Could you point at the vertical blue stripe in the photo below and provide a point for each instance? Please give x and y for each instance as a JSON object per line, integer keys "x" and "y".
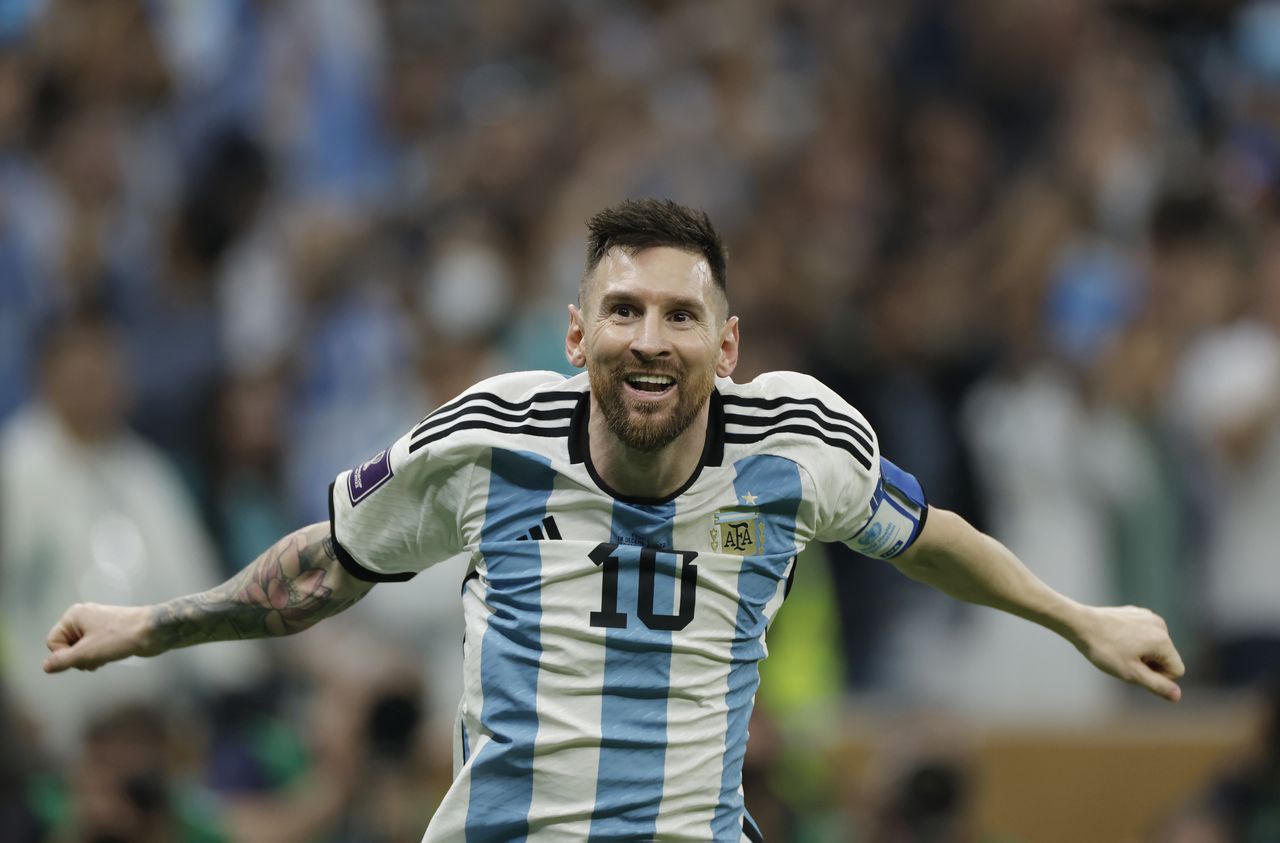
{"x": 776, "y": 484}
{"x": 502, "y": 772}
{"x": 637, "y": 681}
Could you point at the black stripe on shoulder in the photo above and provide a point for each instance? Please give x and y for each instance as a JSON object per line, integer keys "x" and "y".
{"x": 749, "y": 829}
{"x": 775, "y": 403}
{"x": 801, "y": 413}
{"x": 446, "y": 411}
{"x": 842, "y": 444}
{"x": 489, "y": 424}
{"x": 543, "y": 413}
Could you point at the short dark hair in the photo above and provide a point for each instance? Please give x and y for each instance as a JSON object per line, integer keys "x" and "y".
{"x": 636, "y": 224}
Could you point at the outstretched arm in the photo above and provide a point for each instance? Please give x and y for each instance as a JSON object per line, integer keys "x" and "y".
{"x": 295, "y": 583}
{"x": 1128, "y": 642}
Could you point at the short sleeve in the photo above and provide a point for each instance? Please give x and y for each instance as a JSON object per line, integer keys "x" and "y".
{"x": 862, "y": 499}
{"x": 397, "y": 512}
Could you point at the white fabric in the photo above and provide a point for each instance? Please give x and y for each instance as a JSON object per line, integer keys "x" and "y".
{"x": 436, "y": 500}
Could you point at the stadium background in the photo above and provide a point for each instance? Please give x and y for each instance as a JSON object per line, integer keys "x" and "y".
{"x": 245, "y": 244}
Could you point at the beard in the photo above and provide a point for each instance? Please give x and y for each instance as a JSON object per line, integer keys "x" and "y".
{"x": 644, "y": 426}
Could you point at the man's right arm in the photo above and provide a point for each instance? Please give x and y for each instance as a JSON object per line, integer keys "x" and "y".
{"x": 295, "y": 583}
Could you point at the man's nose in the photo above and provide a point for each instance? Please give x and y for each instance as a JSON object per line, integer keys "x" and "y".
{"x": 650, "y": 339}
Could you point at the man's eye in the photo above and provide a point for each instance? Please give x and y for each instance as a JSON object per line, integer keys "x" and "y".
{"x": 682, "y": 316}
{"x": 623, "y": 310}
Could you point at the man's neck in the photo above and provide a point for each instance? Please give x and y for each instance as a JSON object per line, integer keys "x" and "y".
{"x": 645, "y": 474}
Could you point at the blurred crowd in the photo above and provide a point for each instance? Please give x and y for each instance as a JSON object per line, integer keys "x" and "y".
{"x": 245, "y": 244}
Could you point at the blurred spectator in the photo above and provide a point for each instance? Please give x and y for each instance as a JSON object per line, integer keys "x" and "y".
{"x": 249, "y": 512}
{"x": 1248, "y": 800}
{"x": 1144, "y": 478}
{"x": 19, "y": 765}
{"x": 921, "y": 787}
{"x": 173, "y": 328}
{"x": 1029, "y": 429}
{"x": 352, "y": 365}
{"x": 1240, "y": 805}
{"x": 1227, "y": 394}
{"x": 88, "y": 511}
{"x": 394, "y": 801}
{"x": 1194, "y": 824}
{"x": 907, "y": 372}
{"x": 371, "y": 724}
{"x": 125, "y": 784}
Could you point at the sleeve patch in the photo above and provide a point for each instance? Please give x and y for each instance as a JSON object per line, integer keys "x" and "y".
{"x": 898, "y": 510}
{"x": 367, "y": 477}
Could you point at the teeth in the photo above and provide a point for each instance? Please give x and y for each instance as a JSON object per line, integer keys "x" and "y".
{"x": 660, "y": 379}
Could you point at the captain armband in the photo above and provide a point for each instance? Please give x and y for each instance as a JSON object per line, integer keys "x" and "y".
{"x": 898, "y": 512}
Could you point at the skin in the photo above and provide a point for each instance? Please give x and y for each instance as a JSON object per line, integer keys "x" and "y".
{"x": 1127, "y": 642}
{"x": 293, "y": 585}
{"x": 653, "y": 311}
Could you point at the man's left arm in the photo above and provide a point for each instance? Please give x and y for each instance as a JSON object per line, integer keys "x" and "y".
{"x": 1128, "y": 642}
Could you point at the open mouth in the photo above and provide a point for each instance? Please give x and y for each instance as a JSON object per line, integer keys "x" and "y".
{"x": 653, "y": 385}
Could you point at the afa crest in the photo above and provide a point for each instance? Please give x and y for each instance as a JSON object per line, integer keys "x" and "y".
{"x": 738, "y": 531}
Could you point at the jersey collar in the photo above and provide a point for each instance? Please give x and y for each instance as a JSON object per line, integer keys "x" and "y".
{"x": 712, "y": 449}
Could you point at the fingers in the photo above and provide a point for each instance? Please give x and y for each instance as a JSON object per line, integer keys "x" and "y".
{"x": 61, "y": 639}
{"x": 60, "y": 659}
{"x": 1162, "y": 666}
{"x": 82, "y": 655}
{"x": 1158, "y": 684}
{"x": 1166, "y": 663}
{"x": 70, "y": 644}
{"x": 1133, "y": 644}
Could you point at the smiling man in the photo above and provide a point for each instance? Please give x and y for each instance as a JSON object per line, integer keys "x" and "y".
{"x": 632, "y": 532}
{"x": 654, "y": 335}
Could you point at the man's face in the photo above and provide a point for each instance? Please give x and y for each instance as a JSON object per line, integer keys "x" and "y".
{"x": 653, "y": 334}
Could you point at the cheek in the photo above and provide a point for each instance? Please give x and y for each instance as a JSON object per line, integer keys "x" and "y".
{"x": 704, "y": 350}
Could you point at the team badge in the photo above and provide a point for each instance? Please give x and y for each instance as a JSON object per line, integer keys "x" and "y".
{"x": 739, "y": 530}
{"x": 365, "y": 478}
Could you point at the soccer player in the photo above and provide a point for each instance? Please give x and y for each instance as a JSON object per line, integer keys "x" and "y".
{"x": 632, "y": 531}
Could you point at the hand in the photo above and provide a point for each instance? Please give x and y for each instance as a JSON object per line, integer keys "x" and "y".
{"x": 1132, "y": 644}
{"x": 89, "y": 635}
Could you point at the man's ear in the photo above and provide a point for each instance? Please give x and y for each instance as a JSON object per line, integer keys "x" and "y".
{"x": 728, "y": 348}
{"x": 573, "y": 349}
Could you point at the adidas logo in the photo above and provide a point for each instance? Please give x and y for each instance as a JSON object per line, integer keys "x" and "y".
{"x": 537, "y": 533}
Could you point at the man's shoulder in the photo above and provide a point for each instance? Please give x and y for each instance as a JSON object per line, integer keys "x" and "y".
{"x": 795, "y": 415}
{"x": 524, "y": 409}
{"x": 780, "y": 386}
{"x": 524, "y": 386}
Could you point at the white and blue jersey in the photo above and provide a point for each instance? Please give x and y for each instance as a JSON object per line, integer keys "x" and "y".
{"x": 612, "y": 643}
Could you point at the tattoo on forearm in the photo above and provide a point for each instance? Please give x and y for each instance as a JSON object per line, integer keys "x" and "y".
{"x": 285, "y": 590}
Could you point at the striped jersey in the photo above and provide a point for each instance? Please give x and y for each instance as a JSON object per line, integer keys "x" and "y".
{"x": 612, "y": 643}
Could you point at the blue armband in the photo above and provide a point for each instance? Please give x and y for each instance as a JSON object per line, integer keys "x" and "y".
{"x": 898, "y": 513}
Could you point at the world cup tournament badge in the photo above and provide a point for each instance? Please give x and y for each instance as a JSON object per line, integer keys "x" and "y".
{"x": 739, "y": 531}
{"x": 365, "y": 478}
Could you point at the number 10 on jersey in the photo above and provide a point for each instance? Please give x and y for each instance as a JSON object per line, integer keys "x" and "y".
{"x": 612, "y": 556}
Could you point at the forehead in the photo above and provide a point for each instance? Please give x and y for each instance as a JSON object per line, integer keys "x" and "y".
{"x": 657, "y": 272}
